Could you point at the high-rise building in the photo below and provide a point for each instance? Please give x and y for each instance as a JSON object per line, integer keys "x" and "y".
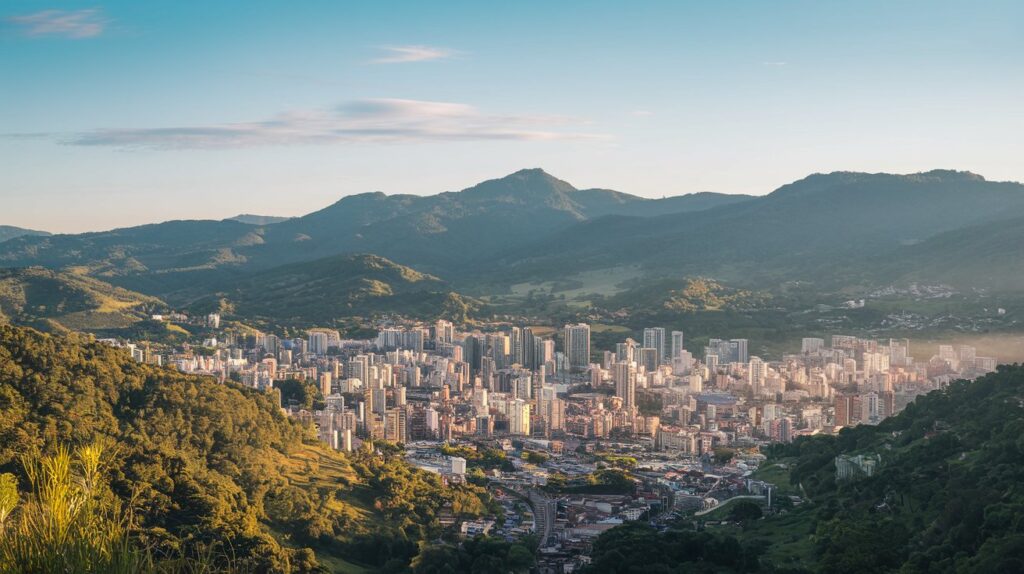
{"x": 733, "y": 351}
{"x": 626, "y": 351}
{"x": 318, "y": 343}
{"x": 577, "y": 345}
{"x": 472, "y": 352}
{"x": 757, "y": 372}
{"x": 848, "y": 410}
{"x": 899, "y": 353}
{"x": 519, "y": 417}
{"x": 516, "y": 354}
{"x": 444, "y": 332}
{"x": 677, "y": 344}
{"x": 500, "y": 347}
{"x": 649, "y": 359}
{"x": 811, "y": 345}
{"x": 654, "y": 338}
{"x": 529, "y": 349}
{"x": 742, "y": 354}
{"x": 624, "y": 376}
{"x": 395, "y": 425}
{"x": 543, "y": 352}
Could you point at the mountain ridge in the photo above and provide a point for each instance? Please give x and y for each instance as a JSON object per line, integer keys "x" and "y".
{"x": 532, "y": 226}
{"x": 10, "y": 232}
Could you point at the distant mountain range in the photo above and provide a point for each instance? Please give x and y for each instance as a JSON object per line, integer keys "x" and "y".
{"x": 829, "y": 229}
{"x": 837, "y": 226}
{"x": 258, "y": 219}
{"x": 441, "y": 234}
{"x": 10, "y": 232}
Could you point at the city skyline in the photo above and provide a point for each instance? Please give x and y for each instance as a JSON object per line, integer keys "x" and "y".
{"x": 156, "y": 113}
{"x": 526, "y": 288}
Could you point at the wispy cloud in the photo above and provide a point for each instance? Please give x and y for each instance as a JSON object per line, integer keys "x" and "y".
{"x": 374, "y": 120}
{"x": 776, "y": 64}
{"x": 406, "y": 54}
{"x": 75, "y": 24}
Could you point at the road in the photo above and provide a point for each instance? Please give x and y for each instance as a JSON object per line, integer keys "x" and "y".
{"x": 714, "y": 508}
{"x": 543, "y": 515}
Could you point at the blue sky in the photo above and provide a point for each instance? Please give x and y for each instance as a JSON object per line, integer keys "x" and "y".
{"x": 121, "y": 113}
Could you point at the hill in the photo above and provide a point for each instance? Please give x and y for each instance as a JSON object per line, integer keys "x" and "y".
{"x": 157, "y": 258}
{"x": 988, "y": 255}
{"x": 258, "y": 219}
{"x": 10, "y": 232}
{"x": 945, "y": 497}
{"x": 213, "y": 469}
{"x": 317, "y": 292}
{"x": 63, "y": 300}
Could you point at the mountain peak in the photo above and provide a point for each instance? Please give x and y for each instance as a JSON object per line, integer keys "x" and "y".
{"x": 533, "y": 176}
{"x": 252, "y": 219}
{"x": 534, "y": 183}
{"x": 534, "y": 171}
{"x": 949, "y": 175}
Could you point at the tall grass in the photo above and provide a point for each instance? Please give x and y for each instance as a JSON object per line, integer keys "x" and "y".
{"x": 70, "y": 522}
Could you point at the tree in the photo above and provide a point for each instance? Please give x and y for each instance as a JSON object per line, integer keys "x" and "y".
{"x": 745, "y": 511}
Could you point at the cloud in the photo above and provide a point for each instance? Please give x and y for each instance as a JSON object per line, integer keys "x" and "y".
{"x": 774, "y": 64}
{"x": 75, "y": 24}
{"x": 361, "y": 121}
{"x": 405, "y": 54}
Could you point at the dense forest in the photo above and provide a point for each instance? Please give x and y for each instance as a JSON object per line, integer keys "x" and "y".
{"x": 207, "y": 469}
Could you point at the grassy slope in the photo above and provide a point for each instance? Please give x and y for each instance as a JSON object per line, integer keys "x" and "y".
{"x": 71, "y": 300}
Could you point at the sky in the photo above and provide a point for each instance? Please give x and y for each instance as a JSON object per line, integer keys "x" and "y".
{"x": 122, "y": 113}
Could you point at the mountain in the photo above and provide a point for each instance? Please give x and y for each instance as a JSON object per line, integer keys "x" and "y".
{"x": 326, "y": 289}
{"x": 829, "y": 229}
{"x": 63, "y": 300}
{"x": 988, "y": 255}
{"x": 944, "y": 497}
{"x": 167, "y": 248}
{"x": 10, "y": 232}
{"x": 195, "y": 468}
{"x": 258, "y": 219}
{"x": 794, "y": 232}
{"x": 446, "y": 233}
{"x": 443, "y": 234}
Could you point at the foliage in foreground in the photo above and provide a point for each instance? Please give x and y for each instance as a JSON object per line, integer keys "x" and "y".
{"x": 480, "y": 555}
{"x": 70, "y": 521}
{"x": 636, "y": 547}
{"x": 202, "y": 465}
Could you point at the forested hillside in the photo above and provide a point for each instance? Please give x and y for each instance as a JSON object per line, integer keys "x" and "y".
{"x": 946, "y": 498}
{"x": 947, "y": 495}
{"x": 59, "y": 300}
{"x": 215, "y": 468}
{"x": 341, "y": 286}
